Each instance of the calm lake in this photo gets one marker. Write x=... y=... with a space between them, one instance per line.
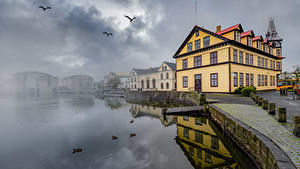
x=41 y=133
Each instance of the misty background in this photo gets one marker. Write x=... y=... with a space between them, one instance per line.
x=68 y=39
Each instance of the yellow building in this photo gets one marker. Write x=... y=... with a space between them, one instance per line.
x=201 y=144
x=222 y=61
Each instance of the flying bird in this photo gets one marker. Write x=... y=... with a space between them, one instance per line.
x=45 y=8
x=131 y=19
x=132 y=134
x=131 y=121
x=114 y=137
x=107 y=34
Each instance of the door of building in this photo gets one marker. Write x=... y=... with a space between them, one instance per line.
x=198 y=83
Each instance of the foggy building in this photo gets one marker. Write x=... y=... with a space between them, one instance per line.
x=35 y=83
x=78 y=83
x=123 y=76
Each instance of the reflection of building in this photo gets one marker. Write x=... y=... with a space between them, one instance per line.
x=36 y=82
x=159 y=78
x=124 y=82
x=155 y=112
x=78 y=83
x=201 y=145
x=222 y=61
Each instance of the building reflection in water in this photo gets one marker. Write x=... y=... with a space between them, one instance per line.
x=203 y=148
x=138 y=111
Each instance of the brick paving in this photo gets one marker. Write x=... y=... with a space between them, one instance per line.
x=260 y=120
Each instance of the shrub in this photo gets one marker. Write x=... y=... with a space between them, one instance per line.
x=238 y=90
x=246 y=91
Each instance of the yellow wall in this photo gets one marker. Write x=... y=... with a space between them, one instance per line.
x=213 y=40
x=244 y=40
x=229 y=35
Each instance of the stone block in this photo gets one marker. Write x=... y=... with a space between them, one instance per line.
x=202 y=99
x=296 y=125
x=272 y=108
x=265 y=104
x=282 y=114
x=260 y=101
x=256 y=99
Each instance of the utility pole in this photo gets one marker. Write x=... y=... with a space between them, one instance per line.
x=196 y=12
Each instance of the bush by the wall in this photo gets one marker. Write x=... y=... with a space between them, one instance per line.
x=238 y=90
x=246 y=91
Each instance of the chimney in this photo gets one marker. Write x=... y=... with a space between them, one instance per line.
x=218 y=28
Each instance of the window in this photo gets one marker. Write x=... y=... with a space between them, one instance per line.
x=165 y=68
x=197 y=61
x=185 y=81
x=259 y=44
x=162 y=86
x=132 y=86
x=237 y=36
x=208 y=157
x=258 y=61
x=241 y=59
x=142 y=84
x=278 y=66
x=153 y=83
x=167 y=85
x=262 y=62
x=214 y=58
x=167 y=75
x=184 y=64
x=206 y=41
x=235 y=79
x=271 y=50
x=274 y=80
x=247 y=79
x=214 y=80
x=197 y=33
x=266 y=63
x=251 y=59
x=249 y=41
x=247 y=58
x=251 y=79
x=161 y=76
x=266 y=80
x=235 y=58
x=190 y=46
x=262 y=80
x=186 y=132
x=265 y=48
x=197 y=44
x=199 y=137
x=258 y=80
x=135 y=86
x=271 y=80
x=148 y=83
x=199 y=154
x=215 y=142
x=278 y=52
x=241 y=79
x=191 y=150
x=271 y=64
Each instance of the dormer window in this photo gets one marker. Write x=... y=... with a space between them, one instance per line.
x=278 y=52
x=237 y=36
x=206 y=41
x=265 y=48
x=197 y=33
x=190 y=46
x=271 y=50
x=249 y=41
x=259 y=44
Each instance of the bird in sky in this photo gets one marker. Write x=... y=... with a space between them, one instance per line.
x=107 y=34
x=114 y=137
x=131 y=121
x=130 y=19
x=78 y=150
x=132 y=134
x=45 y=8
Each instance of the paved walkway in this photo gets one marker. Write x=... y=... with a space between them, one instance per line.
x=292 y=106
x=259 y=119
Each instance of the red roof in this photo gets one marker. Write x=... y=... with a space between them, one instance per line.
x=248 y=33
x=229 y=29
x=265 y=41
x=257 y=38
x=271 y=43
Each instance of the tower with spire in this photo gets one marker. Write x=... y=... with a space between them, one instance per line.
x=273 y=37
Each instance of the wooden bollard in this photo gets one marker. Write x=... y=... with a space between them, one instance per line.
x=260 y=101
x=202 y=99
x=265 y=104
x=256 y=99
x=272 y=108
x=282 y=114
x=296 y=125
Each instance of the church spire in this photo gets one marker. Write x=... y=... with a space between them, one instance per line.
x=272 y=34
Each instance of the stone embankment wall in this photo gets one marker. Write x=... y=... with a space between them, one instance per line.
x=260 y=148
x=165 y=98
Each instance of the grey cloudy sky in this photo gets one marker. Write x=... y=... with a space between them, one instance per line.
x=68 y=39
